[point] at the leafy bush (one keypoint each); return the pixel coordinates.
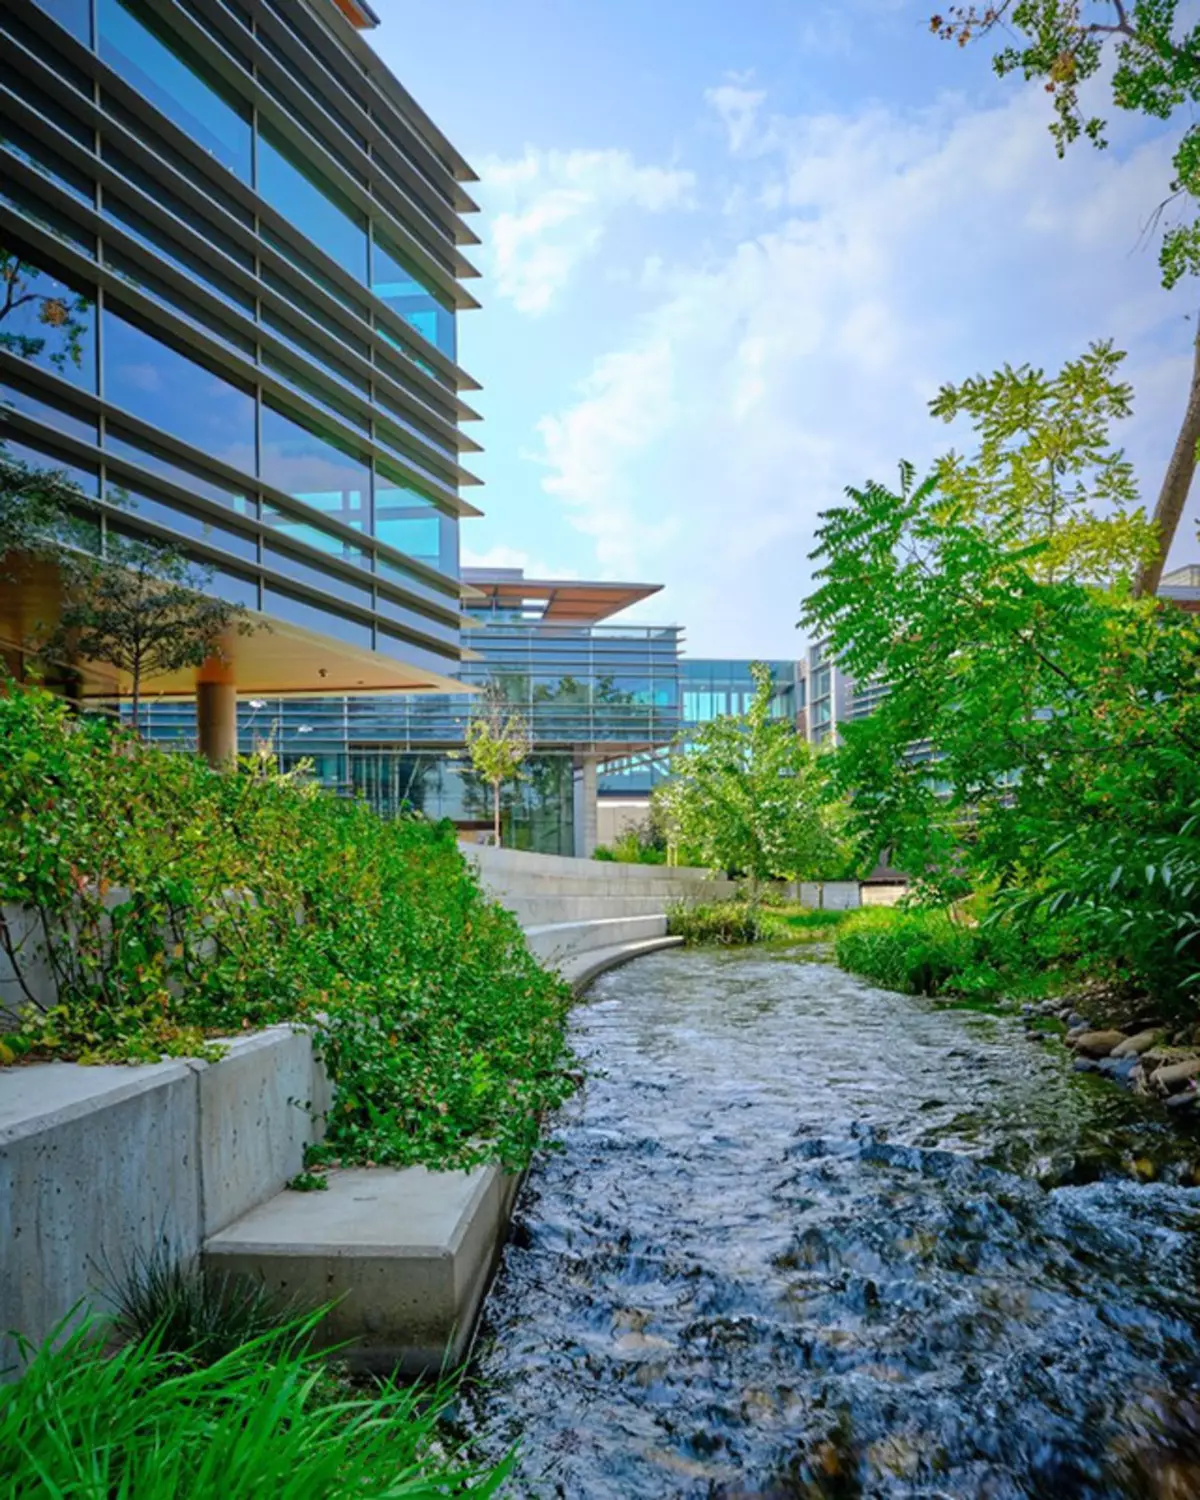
(186, 904)
(265, 1419)
(727, 923)
(926, 952)
(636, 846)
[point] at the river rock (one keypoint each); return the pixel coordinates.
(1172, 1077)
(1120, 1068)
(1134, 1046)
(1185, 1100)
(1086, 1065)
(1097, 1043)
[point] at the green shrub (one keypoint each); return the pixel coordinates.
(266, 1419)
(727, 923)
(925, 952)
(636, 846)
(187, 904)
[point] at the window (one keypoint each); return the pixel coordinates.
(310, 202)
(74, 15)
(318, 469)
(177, 393)
(405, 518)
(52, 324)
(42, 159)
(395, 280)
(312, 617)
(156, 239)
(32, 206)
(310, 269)
(317, 390)
(315, 312)
(160, 291)
(176, 80)
(317, 577)
(182, 520)
(60, 415)
(165, 198)
(314, 536)
(147, 456)
(46, 456)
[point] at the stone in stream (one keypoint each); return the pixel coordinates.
(1172, 1077)
(1185, 1100)
(1134, 1046)
(1097, 1043)
(1086, 1065)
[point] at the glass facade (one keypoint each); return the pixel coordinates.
(249, 336)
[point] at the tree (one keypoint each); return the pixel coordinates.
(498, 741)
(64, 318)
(41, 512)
(1156, 72)
(747, 794)
(140, 609)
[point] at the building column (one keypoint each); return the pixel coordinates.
(586, 815)
(216, 713)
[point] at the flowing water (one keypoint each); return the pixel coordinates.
(803, 1237)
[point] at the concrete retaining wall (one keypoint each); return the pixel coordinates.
(100, 1166)
(832, 895)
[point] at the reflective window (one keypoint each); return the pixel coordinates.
(302, 263)
(165, 198)
(163, 244)
(310, 202)
(161, 291)
(61, 10)
(151, 135)
(182, 520)
(42, 159)
(405, 518)
(389, 434)
(302, 571)
(162, 68)
(74, 15)
(49, 108)
(60, 415)
(46, 456)
(147, 456)
(312, 617)
(298, 339)
(314, 467)
(237, 588)
(308, 305)
(52, 323)
(177, 393)
(314, 536)
(396, 281)
(37, 211)
(318, 391)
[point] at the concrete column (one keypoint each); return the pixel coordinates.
(586, 815)
(216, 713)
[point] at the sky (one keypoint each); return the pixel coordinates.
(731, 250)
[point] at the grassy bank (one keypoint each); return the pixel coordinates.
(187, 904)
(736, 923)
(266, 1418)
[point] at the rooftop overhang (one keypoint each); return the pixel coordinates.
(565, 600)
(360, 15)
(275, 659)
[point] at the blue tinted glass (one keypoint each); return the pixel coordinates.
(163, 69)
(395, 281)
(314, 536)
(185, 475)
(161, 291)
(176, 394)
(75, 15)
(297, 459)
(405, 518)
(40, 157)
(182, 520)
(60, 415)
(39, 457)
(295, 567)
(170, 249)
(311, 204)
(313, 617)
(55, 328)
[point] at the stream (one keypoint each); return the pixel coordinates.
(804, 1237)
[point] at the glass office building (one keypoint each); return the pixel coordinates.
(254, 234)
(591, 691)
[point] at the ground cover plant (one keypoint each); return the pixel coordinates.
(185, 904)
(725, 924)
(265, 1418)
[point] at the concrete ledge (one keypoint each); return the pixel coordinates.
(557, 941)
(406, 1253)
(584, 967)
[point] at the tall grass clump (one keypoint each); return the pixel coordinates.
(724, 924)
(927, 952)
(186, 904)
(263, 1420)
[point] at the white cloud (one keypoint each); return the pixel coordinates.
(896, 251)
(550, 210)
(503, 556)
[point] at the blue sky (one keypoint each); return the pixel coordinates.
(731, 251)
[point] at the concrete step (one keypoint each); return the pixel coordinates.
(405, 1253)
(556, 941)
(546, 910)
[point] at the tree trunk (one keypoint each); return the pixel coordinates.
(135, 705)
(496, 811)
(1176, 484)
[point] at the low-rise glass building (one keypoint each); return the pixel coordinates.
(233, 258)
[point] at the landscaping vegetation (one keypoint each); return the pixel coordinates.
(184, 904)
(267, 1417)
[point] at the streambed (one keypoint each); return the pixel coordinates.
(804, 1237)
